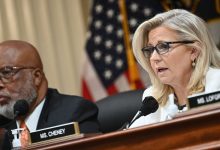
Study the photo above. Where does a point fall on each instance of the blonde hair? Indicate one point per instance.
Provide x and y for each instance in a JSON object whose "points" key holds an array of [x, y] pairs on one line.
{"points": [[189, 27]]}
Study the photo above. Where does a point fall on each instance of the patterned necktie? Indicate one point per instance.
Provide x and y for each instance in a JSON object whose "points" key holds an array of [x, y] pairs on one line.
{"points": [[24, 139]]}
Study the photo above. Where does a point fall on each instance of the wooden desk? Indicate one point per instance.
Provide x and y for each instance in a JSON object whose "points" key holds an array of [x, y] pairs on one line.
{"points": [[194, 131]]}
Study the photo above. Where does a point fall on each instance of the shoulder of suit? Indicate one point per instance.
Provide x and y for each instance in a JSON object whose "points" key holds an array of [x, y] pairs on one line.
{"points": [[213, 71], [54, 94], [147, 92], [213, 74]]}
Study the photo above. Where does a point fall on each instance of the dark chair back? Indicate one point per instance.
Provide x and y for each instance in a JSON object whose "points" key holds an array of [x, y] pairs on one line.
{"points": [[116, 110]]}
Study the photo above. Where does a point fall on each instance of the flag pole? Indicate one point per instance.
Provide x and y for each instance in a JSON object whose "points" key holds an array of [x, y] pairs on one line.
{"points": [[132, 66]]}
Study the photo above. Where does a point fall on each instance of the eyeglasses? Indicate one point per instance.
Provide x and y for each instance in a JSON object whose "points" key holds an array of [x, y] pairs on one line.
{"points": [[161, 47], [7, 72]]}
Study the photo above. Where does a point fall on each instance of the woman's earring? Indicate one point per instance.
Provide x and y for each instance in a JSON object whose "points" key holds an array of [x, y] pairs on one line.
{"points": [[193, 63]]}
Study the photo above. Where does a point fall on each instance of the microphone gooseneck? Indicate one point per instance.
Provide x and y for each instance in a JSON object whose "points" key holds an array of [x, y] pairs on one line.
{"points": [[149, 105]]}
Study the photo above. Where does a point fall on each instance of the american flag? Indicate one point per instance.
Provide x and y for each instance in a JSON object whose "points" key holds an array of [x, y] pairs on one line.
{"points": [[106, 68]]}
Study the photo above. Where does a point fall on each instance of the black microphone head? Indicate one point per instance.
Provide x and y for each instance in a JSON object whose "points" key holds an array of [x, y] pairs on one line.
{"points": [[21, 108], [150, 105]]}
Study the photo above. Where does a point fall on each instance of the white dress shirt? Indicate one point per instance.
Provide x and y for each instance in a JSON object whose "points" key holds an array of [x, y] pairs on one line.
{"points": [[170, 109]]}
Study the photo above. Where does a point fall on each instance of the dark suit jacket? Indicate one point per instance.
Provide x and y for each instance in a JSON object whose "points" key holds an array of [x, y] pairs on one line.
{"points": [[59, 109]]}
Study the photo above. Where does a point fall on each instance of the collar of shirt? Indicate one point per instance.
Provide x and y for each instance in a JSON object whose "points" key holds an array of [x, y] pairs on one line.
{"points": [[32, 120]]}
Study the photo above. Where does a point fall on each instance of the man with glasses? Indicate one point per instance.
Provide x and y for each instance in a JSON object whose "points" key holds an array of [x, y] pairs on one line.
{"points": [[22, 77]]}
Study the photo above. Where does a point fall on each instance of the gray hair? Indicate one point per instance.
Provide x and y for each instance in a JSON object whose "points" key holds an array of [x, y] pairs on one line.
{"points": [[188, 27]]}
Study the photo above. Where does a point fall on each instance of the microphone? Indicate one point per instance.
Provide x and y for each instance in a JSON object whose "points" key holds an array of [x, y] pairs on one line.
{"points": [[149, 105], [21, 108]]}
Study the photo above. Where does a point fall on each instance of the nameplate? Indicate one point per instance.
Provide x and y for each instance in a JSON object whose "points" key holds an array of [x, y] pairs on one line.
{"points": [[54, 132], [203, 99]]}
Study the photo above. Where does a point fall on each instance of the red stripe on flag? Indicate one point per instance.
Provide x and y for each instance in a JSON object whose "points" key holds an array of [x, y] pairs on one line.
{"points": [[85, 91], [139, 84], [127, 76], [112, 89]]}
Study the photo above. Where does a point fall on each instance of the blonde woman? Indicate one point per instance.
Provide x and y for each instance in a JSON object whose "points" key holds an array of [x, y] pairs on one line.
{"points": [[181, 58]]}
